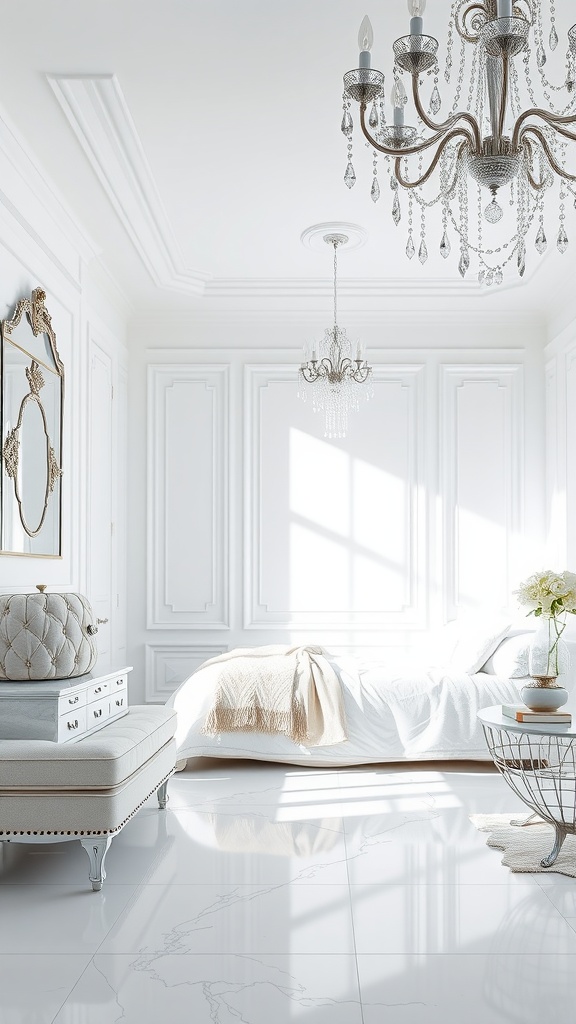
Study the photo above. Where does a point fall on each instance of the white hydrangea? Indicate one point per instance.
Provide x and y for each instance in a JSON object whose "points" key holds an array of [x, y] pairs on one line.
{"points": [[548, 593]]}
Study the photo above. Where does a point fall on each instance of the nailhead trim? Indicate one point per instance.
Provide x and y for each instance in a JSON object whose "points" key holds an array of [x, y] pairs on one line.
{"points": [[88, 832]]}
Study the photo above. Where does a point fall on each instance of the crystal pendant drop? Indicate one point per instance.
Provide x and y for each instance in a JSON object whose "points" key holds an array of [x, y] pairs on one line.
{"points": [[349, 176], [396, 211], [410, 250], [373, 119], [553, 38], [393, 183], [435, 101], [375, 190], [464, 263], [493, 212], [481, 276], [521, 259], [422, 252], [347, 124], [540, 57], [489, 279], [498, 277], [562, 240], [541, 240], [445, 246]]}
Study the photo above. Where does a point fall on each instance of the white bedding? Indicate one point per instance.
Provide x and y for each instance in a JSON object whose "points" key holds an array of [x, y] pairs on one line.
{"points": [[429, 714]]}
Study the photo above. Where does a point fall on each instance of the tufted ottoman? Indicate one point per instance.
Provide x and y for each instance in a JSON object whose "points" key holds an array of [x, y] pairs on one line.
{"points": [[88, 790]]}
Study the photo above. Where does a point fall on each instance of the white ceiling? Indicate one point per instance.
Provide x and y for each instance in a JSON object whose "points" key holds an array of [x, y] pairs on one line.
{"points": [[237, 107]]}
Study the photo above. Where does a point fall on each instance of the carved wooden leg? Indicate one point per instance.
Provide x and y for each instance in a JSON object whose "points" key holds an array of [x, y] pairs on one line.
{"points": [[97, 847], [163, 795]]}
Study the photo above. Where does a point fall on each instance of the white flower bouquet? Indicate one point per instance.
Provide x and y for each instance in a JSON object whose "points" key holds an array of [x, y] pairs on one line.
{"points": [[551, 596]]}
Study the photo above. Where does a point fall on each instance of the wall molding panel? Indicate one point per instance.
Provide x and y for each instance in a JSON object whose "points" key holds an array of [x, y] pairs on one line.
{"points": [[188, 445], [168, 665], [357, 506], [481, 484]]}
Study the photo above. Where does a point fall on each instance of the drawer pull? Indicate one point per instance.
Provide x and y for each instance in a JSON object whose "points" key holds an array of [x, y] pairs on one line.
{"points": [[98, 689], [73, 725], [73, 700], [120, 702], [98, 714], [119, 682]]}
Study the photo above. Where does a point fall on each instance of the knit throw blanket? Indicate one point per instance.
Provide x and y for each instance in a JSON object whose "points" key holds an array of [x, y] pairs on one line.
{"points": [[291, 691]]}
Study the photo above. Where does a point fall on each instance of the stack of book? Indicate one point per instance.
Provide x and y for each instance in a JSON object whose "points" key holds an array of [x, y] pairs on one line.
{"points": [[520, 713]]}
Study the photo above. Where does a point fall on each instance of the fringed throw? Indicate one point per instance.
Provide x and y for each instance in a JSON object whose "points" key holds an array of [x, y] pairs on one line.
{"points": [[292, 692]]}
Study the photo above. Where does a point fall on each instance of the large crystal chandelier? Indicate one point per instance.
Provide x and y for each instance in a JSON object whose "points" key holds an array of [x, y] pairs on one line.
{"points": [[498, 137], [336, 377]]}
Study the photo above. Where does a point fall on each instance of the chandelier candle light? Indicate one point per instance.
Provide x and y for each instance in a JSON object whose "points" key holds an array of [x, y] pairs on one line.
{"points": [[505, 138], [335, 376]]}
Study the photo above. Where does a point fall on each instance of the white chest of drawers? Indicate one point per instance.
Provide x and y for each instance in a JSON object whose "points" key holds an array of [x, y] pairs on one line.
{"points": [[62, 710]]}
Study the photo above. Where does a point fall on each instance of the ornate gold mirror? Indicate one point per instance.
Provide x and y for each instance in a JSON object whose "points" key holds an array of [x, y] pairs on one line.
{"points": [[31, 405]]}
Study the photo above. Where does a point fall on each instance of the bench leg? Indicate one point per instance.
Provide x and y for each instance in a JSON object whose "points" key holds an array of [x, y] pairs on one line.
{"points": [[163, 795], [97, 847]]}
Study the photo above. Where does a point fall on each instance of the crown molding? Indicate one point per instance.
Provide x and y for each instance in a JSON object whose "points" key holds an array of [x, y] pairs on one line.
{"points": [[29, 195], [99, 116]]}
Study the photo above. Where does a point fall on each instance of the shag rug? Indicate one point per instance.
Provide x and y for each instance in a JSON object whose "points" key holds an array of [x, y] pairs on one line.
{"points": [[524, 847]]}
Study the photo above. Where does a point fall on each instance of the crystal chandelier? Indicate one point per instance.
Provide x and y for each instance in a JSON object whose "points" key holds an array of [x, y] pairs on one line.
{"points": [[502, 140], [335, 377]]}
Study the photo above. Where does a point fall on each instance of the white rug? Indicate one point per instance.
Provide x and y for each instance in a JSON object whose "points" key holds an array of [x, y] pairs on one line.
{"points": [[525, 847]]}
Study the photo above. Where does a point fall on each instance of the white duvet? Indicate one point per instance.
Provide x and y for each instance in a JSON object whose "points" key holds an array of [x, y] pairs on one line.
{"points": [[429, 714]]}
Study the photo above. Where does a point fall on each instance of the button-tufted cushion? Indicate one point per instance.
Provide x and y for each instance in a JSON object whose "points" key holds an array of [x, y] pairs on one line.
{"points": [[45, 636]]}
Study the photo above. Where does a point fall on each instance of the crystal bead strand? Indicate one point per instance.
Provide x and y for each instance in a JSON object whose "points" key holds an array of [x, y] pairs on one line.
{"points": [[347, 128], [464, 254], [410, 249], [375, 190], [562, 239], [445, 174]]}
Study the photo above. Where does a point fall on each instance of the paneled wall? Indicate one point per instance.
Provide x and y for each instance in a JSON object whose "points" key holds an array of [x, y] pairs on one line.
{"points": [[41, 244], [260, 530], [560, 375]]}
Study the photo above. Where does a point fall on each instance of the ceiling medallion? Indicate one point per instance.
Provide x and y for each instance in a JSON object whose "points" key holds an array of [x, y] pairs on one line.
{"points": [[504, 141]]}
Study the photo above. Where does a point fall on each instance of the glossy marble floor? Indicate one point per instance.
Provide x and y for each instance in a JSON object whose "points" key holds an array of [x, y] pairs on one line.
{"points": [[268, 894]]}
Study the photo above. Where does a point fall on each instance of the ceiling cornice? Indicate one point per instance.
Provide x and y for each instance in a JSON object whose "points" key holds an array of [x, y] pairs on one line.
{"points": [[99, 116]]}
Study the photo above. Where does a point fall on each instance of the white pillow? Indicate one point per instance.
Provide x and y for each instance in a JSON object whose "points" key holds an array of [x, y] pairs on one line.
{"points": [[510, 659], [476, 642]]}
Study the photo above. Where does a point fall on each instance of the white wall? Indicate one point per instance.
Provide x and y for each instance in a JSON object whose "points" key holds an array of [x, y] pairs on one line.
{"points": [[560, 370], [41, 245], [258, 530]]}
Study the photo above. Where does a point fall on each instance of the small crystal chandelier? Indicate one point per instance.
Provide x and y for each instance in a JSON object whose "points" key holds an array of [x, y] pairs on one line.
{"points": [[504, 139], [335, 377]]}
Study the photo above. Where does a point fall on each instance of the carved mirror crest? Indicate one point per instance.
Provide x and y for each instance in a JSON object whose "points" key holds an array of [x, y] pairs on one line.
{"points": [[31, 405]]}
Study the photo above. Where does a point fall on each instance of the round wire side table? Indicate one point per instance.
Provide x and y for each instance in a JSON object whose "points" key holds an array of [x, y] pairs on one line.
{"points": [[539, 763]]}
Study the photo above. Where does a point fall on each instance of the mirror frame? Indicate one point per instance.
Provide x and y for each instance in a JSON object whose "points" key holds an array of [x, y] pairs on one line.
{"points": [[40, 323]]}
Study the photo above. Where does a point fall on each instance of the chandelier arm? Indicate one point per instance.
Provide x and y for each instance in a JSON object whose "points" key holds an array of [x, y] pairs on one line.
{"points": [[405, 150], [551, 160], [564, 132], [461, 17], [552, 119], [536, 185], [448, 138], [461, 116]]}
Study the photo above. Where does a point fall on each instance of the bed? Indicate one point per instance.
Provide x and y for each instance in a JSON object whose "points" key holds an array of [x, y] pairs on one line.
{"points": [[421, 712]]}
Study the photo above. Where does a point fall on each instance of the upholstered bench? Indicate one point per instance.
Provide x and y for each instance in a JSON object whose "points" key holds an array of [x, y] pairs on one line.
{"points": [[88, 790]]}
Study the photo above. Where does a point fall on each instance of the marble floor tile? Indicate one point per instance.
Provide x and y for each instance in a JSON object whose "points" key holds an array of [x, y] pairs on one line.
{"points": [[477, 989], [58, 918], [271, 893], [458, 919], [33, 988], [220, 989], [424, 849], [271, 919], [249, 849]]}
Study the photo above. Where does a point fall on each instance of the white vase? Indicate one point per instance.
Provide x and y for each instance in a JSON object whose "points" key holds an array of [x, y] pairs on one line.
{"points": [[539, 697]]}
